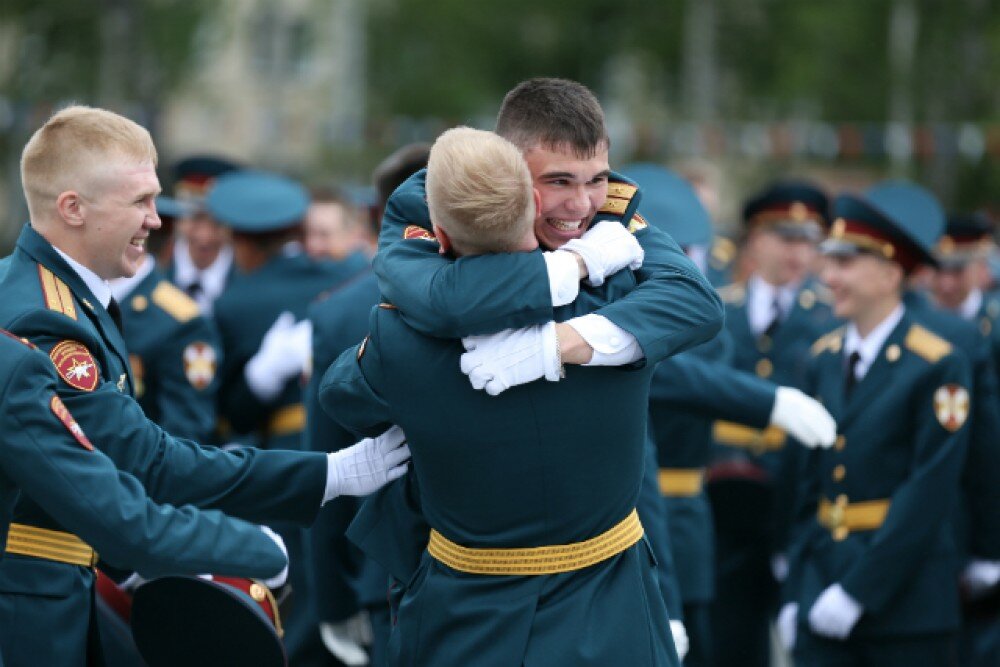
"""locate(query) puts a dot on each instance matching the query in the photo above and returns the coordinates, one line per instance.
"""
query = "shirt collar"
(122, 287)
(761, 295)
(869, 346)
(212, 279)
(97, 285)
(970, 307)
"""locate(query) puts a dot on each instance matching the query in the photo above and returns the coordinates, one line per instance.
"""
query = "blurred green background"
(731, 91)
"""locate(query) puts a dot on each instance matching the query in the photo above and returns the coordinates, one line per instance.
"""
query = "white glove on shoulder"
(367, 466)
(345, 639)
(680, 635)
(278, 580)
(606, 248)
(499, 361)
(979, 576)
(788, 624)
(283, 354)
(803, 418)
(835, 613)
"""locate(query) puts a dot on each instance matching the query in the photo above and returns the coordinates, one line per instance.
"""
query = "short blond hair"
(74, 144)
(479, 191)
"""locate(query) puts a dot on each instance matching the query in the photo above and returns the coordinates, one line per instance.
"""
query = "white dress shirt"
(760, 302)
(970, 307)
(212, 279)
(868, 348)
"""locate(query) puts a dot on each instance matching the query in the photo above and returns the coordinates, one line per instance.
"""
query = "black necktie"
(116, 314)
(851, 378)
(193, 290)
(776, 319)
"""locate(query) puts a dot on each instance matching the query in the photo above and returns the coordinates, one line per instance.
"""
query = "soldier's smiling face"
(572, 189)
(861, 284)
(119, 212)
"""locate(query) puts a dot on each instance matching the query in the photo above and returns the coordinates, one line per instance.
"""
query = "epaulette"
(174, 302)
(733, 294)
(23, 341)
(831, 341)
(619, 198)
(925, 344)
(56, 293)
(723, 252)
(636, 223)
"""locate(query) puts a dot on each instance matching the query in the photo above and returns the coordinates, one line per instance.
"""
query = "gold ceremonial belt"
(50, 545)
(286, 420)
(681, 482)
(843, 518)
(758, 441)
(538, 560)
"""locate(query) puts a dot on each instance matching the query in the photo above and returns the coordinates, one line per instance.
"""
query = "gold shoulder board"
(174, 302)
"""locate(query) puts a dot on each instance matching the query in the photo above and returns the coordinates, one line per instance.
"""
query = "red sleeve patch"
(75, 365)
(59, 410)
(417, 232)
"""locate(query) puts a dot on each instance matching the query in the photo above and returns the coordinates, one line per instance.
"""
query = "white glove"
(980, 576)
(606, 248)
(278, 580)
(835, 613)
(511, 357)
(283, 354)
(779, 567)
(803, 418)
(680, 636)
(788, 624)
(346, 639)
(367, 466)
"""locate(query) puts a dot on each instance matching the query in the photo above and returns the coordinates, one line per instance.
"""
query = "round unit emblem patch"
(199, 364)
(75, 365)
(951, 406)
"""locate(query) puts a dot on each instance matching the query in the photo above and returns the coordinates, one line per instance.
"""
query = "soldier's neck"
(875, 314)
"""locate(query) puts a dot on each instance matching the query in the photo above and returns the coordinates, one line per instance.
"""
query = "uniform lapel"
(875, 380)
(42, 252)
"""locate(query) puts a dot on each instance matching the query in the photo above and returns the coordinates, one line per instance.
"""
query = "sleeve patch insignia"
(62, 413)
(199, 364)
(951, 406)
(417, 232)
(75, 365)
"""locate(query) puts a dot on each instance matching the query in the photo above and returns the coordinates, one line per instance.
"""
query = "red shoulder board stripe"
(23, 341)
(75, 365)
(60, 411)
(417, 232)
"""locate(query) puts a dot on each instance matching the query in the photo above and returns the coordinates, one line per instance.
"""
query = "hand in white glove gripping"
(680, 635)
(346, 639)
(803, 418)
(606, 248)
(283, 354)
(834, 613)
(499, 361)
(278, 580)
(367, 466)
(788, 624)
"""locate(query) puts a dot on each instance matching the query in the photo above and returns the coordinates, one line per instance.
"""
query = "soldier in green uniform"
(47, 456)
(173, 349)
(88, 225)
(772, 320)
(688, 392)
(492, 588)
(266, 342)
(873, 560)
(349, 587)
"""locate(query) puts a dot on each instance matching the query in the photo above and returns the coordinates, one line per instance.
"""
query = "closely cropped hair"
(553, 113)
(74, 144)
(479, 191)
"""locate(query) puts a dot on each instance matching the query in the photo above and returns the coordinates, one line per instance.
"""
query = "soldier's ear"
(70, 206)
(444, 241)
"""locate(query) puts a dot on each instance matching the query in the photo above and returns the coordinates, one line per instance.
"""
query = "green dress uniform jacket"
(47, 456)
(525, 469)
(45, 301)
(174, 355)
(875, 511)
